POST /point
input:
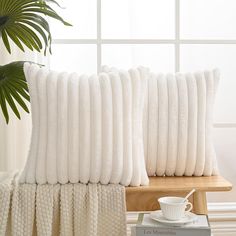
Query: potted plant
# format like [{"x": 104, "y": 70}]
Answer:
[{"x": 24, "y": 23}]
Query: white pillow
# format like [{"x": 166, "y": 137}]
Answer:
[
  {"x": 177, "y": 122},
  {"x": 86, "y": 128}
]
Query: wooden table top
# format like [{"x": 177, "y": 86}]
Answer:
[{"x": 203, "y": 183}]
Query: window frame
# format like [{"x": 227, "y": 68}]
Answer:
[{"x": 177, "y": 42}]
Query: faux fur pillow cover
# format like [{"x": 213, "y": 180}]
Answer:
[
  {"x": 86, "y": 128},
  {"x": 178, "y": 118},
  {"x": 177, "y": 123}
]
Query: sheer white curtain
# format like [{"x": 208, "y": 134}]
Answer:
[{"x": 15, "y": 137}]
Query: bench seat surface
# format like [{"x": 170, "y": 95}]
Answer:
[{"x": 144, "y": 198}]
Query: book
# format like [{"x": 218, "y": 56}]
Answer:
[{"x": 149, "y": 227}]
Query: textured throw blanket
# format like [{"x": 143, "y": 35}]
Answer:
[{"x": 69, "y": 209}]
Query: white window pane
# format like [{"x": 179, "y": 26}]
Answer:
[
  {"x": 159, "y": 58},
  {"x": 208, "y": 19},
  {"x": 82, "y": 14},
  {"x": 225, "y": 143},
  {"x": 200, "y": 57},
  {"x": 71, "y": 57},
  {"x": 138, "y": 18}
]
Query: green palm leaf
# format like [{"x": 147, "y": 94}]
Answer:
[
  {"x": 13, "y": 88},
  {"x": 23, "y": 22}
]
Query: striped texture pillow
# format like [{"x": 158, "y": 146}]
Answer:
[
  {"x": 177, "y": 124},
  {"x": 86, "y": 128}
]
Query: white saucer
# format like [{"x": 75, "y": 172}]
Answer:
[{"x": 158, "y": 216}]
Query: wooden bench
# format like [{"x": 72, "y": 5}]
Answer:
[{"x": 144, "y": 198}]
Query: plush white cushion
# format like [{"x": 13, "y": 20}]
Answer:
[
  {"x": 86, "y": 128},
  {"x": 178, "y": 124}
]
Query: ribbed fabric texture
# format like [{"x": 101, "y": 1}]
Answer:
[
  {"x": 178, "y": 124},
  {"x": 86, "y": 128}
]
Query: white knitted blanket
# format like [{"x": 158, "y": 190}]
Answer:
[{"x": 69, "y": 209}]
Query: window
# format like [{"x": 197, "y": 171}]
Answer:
[{"x": 165, "y": 35}]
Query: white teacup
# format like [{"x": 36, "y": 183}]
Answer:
[{"x": 173, "y": 208}]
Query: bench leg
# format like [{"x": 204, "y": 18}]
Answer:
[{"x": 200, "y": 203}]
